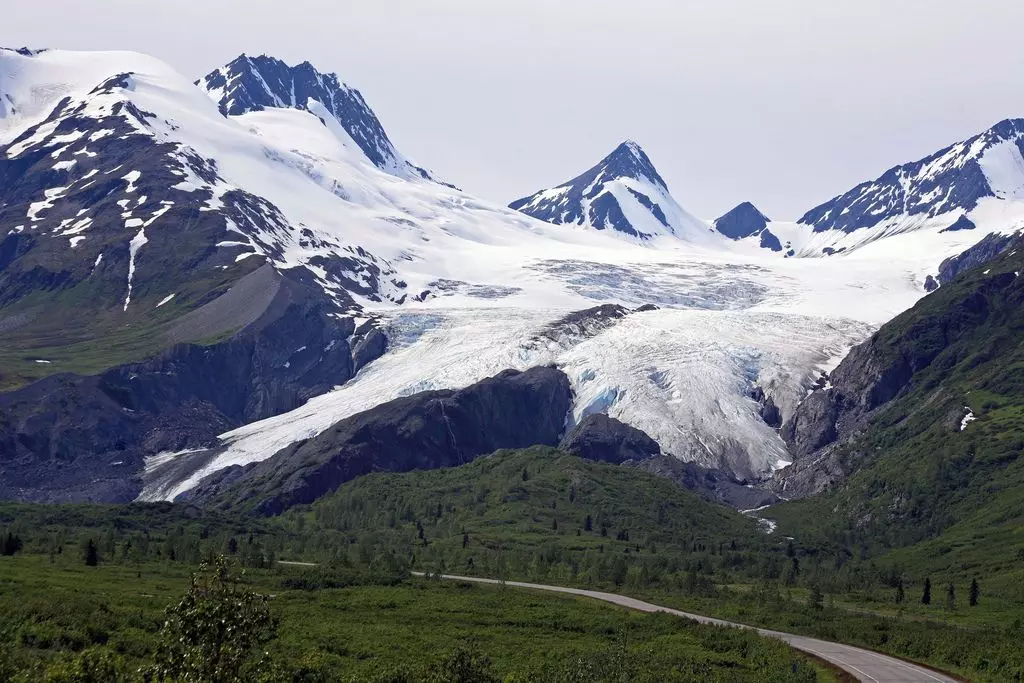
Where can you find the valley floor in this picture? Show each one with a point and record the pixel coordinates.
(864, 665)
(52, 609)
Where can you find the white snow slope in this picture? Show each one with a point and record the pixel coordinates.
(732, 317)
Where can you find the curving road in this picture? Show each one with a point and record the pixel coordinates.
(865, 665)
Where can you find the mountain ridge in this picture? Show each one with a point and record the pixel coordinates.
(248, 84)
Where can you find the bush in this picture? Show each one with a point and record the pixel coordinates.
(212, 635)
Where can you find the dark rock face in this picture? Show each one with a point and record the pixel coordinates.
(586, 322)
(75, 438)
(584, 199)
(742, 221)
(746, 221)
(603, 438)
(864, 380)
(428, 430)
(769, 412)
(930, 283)
(962, 223)
(770, 241)
(948, 179)
(712, 485)
(257, 83)
(984, 251)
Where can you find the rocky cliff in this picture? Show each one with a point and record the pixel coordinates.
(428, 430)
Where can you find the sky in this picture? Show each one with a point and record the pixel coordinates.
(783, 103)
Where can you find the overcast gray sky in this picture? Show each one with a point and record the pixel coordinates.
(785, 103)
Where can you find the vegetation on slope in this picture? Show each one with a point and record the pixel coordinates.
(937, 478)
(541, 512)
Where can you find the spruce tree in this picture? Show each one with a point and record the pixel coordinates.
(794, 572)
(926, 597)
(899, 592)
(92, 554)
(816, 598)
(975, 592)
(11, 544)
(950, 597)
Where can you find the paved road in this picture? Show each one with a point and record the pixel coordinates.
(863, 664)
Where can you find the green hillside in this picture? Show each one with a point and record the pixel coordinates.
(540, 513)
(930, 493)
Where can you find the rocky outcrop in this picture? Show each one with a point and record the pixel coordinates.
(962, 223)
(584, 323)
(84, 438)
(603, 438)
(711, 484)
(769, 412)
(988, 248)
(428, 430)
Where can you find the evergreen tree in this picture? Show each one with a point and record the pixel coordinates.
(465, 540)
(975, 592)
(794, 572)
(926, 597)
(816, 598)
(950, 597)
(588, 525)
(91, 554)
(11, 544)
(554, 524)
(900, 596)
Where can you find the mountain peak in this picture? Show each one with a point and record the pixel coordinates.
(746, 220)
(629, 160)
(248, 84)
(741, 221)
(622, 192)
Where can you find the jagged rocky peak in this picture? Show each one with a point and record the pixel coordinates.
(742, 221)
(249, 84)
(954, 179)
(622, 192)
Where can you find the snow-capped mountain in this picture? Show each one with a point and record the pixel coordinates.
(249, 84)
(745, 221)
(623, 192)
(976, 182)
(174, 243)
